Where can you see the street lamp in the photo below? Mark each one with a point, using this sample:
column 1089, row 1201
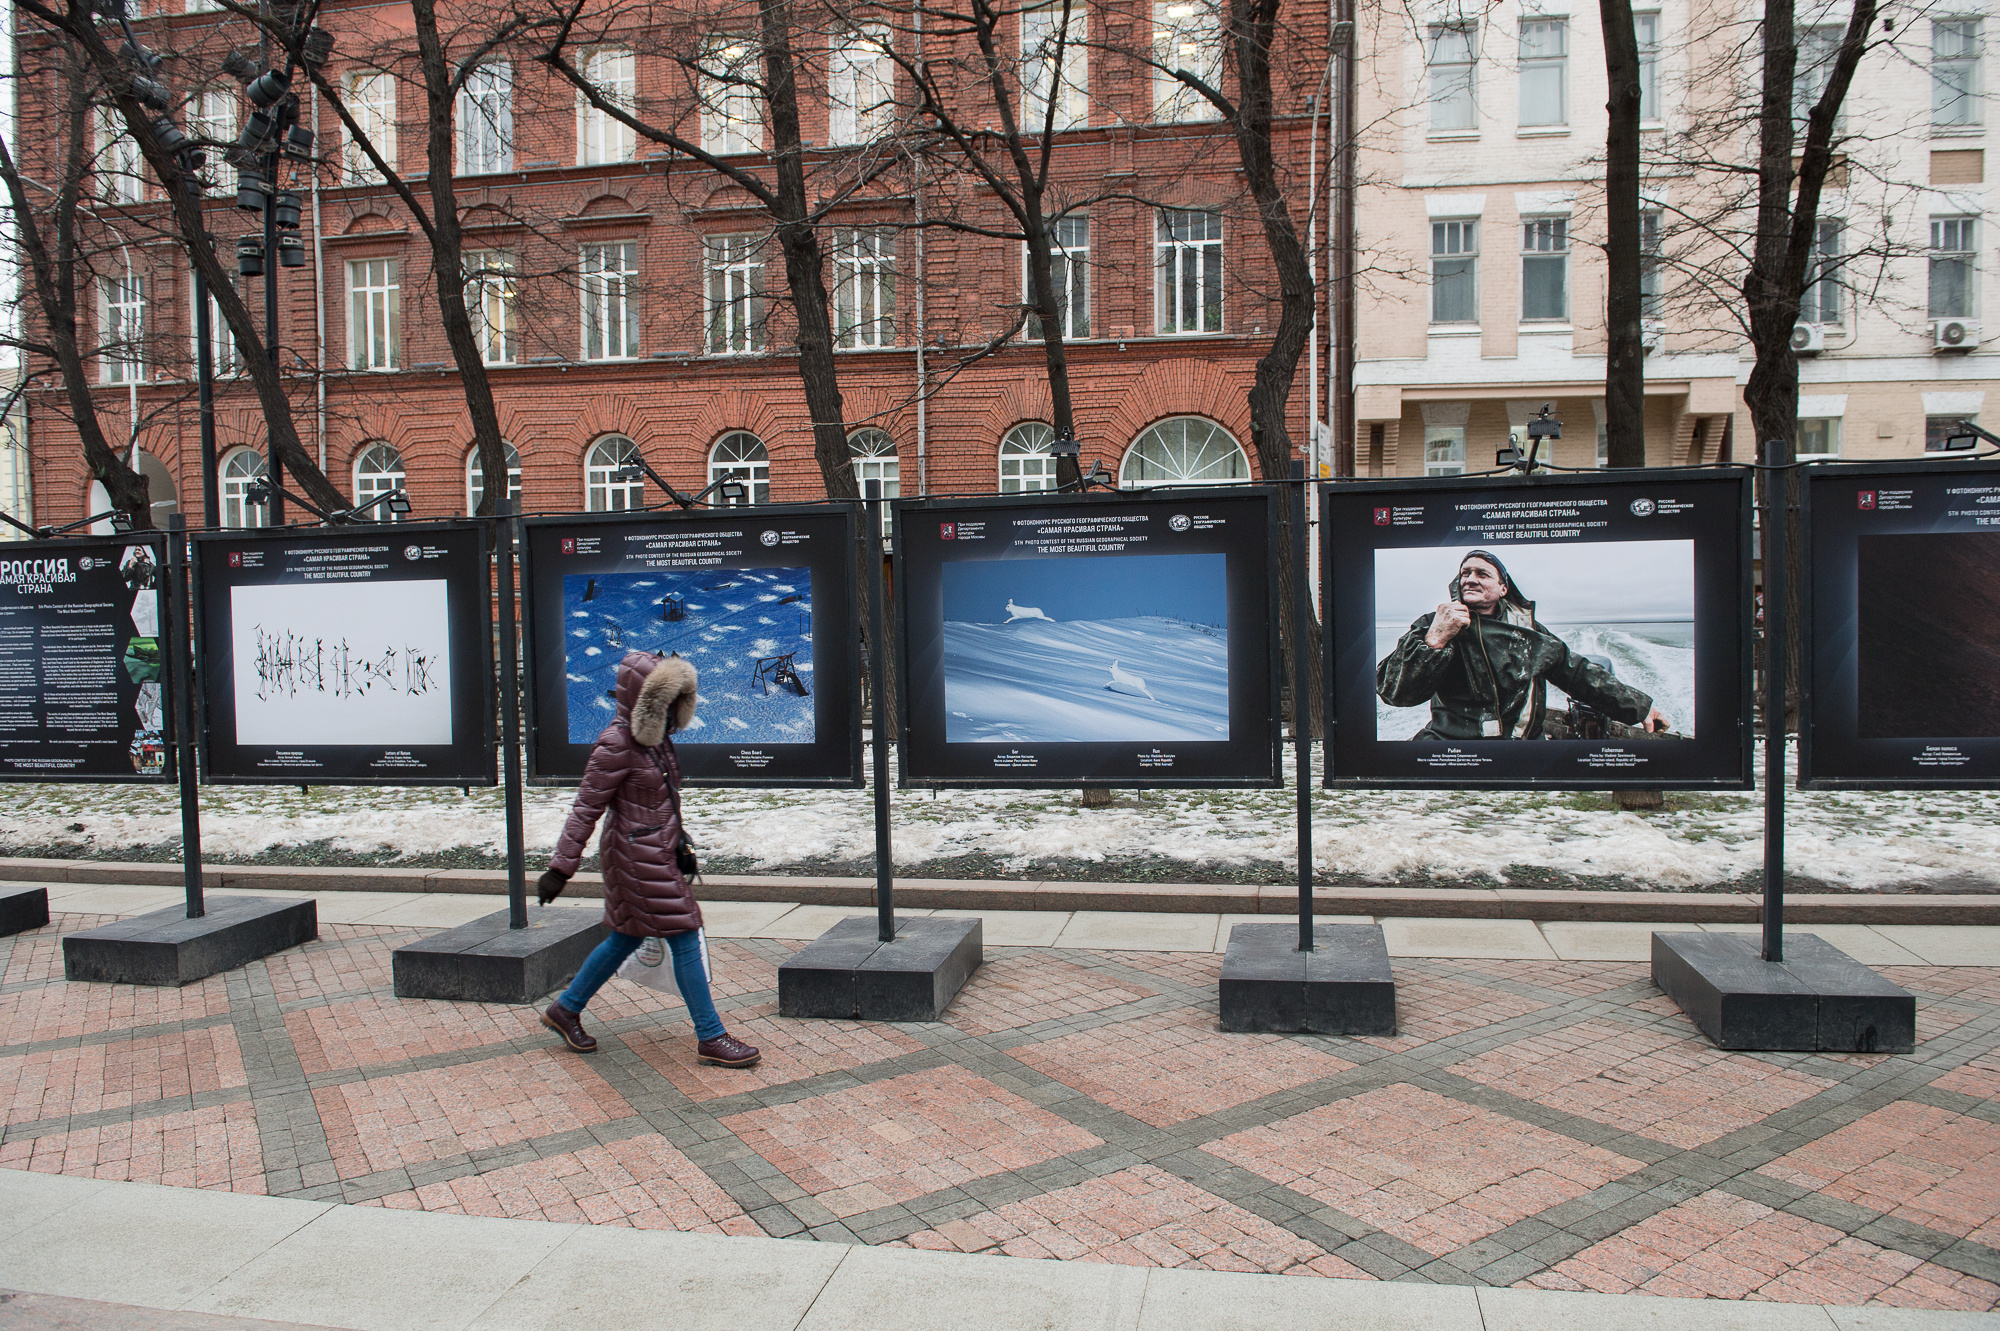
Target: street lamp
column 733, row 488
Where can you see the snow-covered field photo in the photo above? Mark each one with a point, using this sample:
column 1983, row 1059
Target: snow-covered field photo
column 1087, row 649
column 748, row 631
column 1628, row 602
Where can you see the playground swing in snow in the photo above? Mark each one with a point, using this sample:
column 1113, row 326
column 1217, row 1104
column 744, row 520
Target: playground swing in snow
column 674, row 608
column 778, row 670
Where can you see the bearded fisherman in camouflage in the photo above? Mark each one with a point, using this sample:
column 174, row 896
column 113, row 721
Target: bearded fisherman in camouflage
column 1481, row 662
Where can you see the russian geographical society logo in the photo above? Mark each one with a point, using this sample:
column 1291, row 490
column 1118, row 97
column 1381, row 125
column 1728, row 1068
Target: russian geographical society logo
column 413, row 552
column 767, row 538
column 1865, row 499
column 1179, row 522
column 87, row 563
column 1643, row 508
column 947, row 531
column 1381, row 517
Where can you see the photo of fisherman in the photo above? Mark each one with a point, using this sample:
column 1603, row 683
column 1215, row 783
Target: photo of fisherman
column 1483, row 663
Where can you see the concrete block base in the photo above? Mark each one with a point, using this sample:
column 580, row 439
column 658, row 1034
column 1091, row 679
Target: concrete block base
column 1818, row 998
column 849, row 973
column 165, row 947
column 1344, row 986
column 23, row 906
column 486, row 962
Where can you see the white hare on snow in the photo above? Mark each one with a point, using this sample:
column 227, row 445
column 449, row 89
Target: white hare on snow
column 1124, row 681
column 1015, row 612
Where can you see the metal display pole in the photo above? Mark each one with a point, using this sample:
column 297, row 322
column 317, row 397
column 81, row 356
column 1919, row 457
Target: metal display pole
column 510, row 722
column 1776, row 485
column 878, row 673
column 204, row 362
column 272, row 463
column 180, row 652
column 1302, row 710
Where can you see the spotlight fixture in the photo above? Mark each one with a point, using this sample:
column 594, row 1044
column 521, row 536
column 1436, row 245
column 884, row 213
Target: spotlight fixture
column 1068, row 446
column 299, row 143
column 252, row 190
column 286, row 204
column 268, row 88
column 291, row 250
column 121, row 521
column 733, row 490
column 250, row 256
column 315, row 49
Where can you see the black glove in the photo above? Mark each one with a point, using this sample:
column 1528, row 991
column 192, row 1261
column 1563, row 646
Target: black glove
column 550, row 886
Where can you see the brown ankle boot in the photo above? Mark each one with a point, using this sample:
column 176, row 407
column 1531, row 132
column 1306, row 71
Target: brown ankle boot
column 727, row 1051
column 568, row 1025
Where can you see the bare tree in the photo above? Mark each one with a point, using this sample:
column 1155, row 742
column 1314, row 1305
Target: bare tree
column 1625, row 363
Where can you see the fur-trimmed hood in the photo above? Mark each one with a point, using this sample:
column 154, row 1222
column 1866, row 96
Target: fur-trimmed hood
column 656, row 695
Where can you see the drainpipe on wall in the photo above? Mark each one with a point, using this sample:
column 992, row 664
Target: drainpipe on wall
column 319, row 308
column 923, row 385
column 1340, row 239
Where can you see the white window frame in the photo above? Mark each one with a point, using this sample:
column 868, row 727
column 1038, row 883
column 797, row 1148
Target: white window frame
column 370, row 95
column 121, row 327
column 493, row 301
column 1454, row 82
column 1187, row 35
column 374, row 476
column 374, row 314
column 1026, row 465
column 486, row 120
column 1957, row 45
column 860, row 85
column 1817, row 47
column 1044, row 36
column 475, row 478
column 225, row 359
column 240, row 469
column 732, row 109
column 733, row 288
column 120, row 166
column 741, row 453
column 1819, row 438
column 864, row 294
column 1652, row 266
column 1955, row 244
column 1069, row 273
column 608, row 275
column 1199, row 451
column 1544, row 72
column 211, row 122
column 872, row 452
column 1646, row 27
column 606, row 456
column 1188, row 271
column 1454, row 245
column 1444, row 450
column 601, row 137
column 1542, row 239
column 1824, row 299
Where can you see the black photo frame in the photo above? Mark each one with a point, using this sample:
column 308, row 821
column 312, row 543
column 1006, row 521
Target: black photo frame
column 658, row 547
column 1223, row 544
column 1708, row 509
column 1892, row 598
column 79, row 677
column 357, row 664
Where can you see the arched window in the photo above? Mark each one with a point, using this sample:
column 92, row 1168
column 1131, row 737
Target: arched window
column 1183, row 450
column 740, row 453
column 475, row 477
column 378, row 471
column 162, row 495
column 876, row 469
column 1025, row 463
column 239, row 471
column 602, row 493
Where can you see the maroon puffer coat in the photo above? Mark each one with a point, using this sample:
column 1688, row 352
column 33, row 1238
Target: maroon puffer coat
column 631, row 781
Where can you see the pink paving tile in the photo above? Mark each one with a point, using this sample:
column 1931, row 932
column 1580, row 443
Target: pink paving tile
column 344, row 959
column 1018, row 989
column 1141, row 1216
column 1981, row 984
column 1677, row 1090
column 793, row 1050
column 1432, row 1171
column 391, row 1122
column 364, row 1032
column 640, row 1182
column 1431, row 1007
column 37, row 953
column 1922, row 1164
column 60, row 1010
column 1175, row 1065
column 82, row 1079
column 1980, row 1077
column 1203, row 970
column 1720, row 1246
column 215, row 1147
column 896, row 1140
column 1581, row 979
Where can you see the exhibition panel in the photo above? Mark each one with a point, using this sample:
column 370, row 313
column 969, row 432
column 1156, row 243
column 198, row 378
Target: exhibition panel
column 1605, row 617
column 1901, row 631
column 346, row 655
column 1126, row 638
column 83, row 677
column 761, row 599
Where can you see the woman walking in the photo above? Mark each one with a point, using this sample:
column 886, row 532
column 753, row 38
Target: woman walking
column 633, row 781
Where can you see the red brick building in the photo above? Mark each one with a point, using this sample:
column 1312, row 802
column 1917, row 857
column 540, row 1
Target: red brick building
column 627, row 306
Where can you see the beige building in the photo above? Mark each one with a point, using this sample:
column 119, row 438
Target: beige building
column 1480, row 230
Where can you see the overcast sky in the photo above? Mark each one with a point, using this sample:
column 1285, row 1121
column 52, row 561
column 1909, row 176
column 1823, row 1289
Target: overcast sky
column 1570, row 582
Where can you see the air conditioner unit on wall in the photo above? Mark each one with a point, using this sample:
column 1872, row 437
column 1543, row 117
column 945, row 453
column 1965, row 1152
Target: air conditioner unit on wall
column 1954, row 334
column 1808, row 339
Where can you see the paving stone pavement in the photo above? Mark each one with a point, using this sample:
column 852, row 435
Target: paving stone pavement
column 1541, row 1124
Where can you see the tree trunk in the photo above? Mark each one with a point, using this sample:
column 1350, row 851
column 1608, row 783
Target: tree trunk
column 1625, row 366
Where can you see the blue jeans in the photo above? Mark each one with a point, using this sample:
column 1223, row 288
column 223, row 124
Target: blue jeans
column 690, row 973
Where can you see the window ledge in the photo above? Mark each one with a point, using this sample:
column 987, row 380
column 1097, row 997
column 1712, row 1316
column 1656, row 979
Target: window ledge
column 1957, row 131
column 1451, row 135
column 1542, row 132
column 1652, row 127
column 1545, row 328
column 1454, row 330
column 606, row 360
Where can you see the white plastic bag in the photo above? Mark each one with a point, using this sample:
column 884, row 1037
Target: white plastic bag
column 659, row 974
